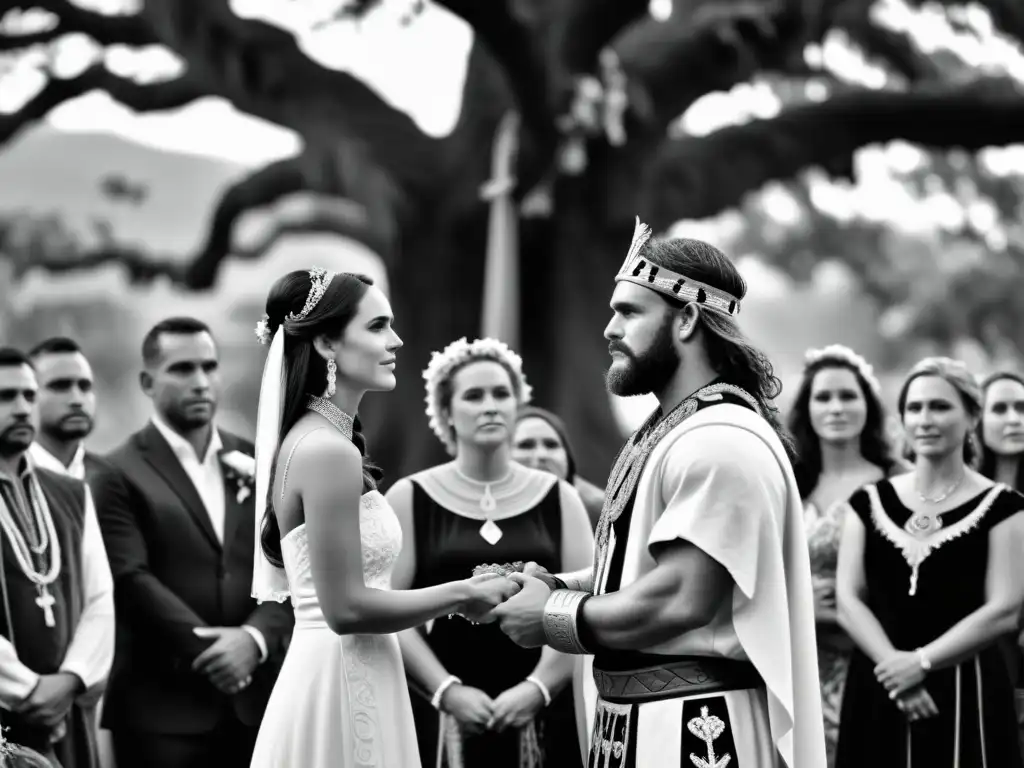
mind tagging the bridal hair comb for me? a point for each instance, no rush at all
(319, 279)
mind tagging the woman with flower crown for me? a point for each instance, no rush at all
(484, 700)
(838, 424)
(329, 540)
(927, 583)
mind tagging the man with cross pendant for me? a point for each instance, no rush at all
(56, 591)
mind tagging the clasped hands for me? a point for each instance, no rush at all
(516, 601)
(902, 675)
(477, 712)
(228, 662)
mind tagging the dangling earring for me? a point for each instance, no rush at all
(973, 449)
(332, 377)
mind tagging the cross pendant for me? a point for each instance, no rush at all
(45, 602)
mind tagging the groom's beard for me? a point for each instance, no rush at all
(647, 372)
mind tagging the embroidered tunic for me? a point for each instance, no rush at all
(719, 479)
(976, 724)
(81, 641)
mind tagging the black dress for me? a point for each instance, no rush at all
(448, 547)
(975, 699)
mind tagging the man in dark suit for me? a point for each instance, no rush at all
(196, 657)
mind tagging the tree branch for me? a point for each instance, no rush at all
(262, 71)
(140, 97)
(686, 178)
(515, 48)
(588, 26)
(106, 29)
(680, 60)
(17, 42)
(893, 48)
(261, 188)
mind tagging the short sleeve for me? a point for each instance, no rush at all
(1007, 504)
(860, 503)
(725, 493)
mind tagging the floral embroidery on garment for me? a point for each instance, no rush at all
(915, 551)
(707, 728)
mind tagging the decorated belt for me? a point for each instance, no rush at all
(672, 678)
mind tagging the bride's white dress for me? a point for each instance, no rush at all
(341, 701)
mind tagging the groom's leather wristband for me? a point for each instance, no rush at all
(562, 613)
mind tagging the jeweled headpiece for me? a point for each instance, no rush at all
(455, 355)
(840, 353)
(319, 279)
(636, 269)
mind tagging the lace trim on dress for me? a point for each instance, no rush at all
(915, 551)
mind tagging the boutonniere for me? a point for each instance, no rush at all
(241, 470)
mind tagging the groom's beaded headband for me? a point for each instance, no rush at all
(319, 280)
(636, 269)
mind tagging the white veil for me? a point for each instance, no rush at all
(268, 581)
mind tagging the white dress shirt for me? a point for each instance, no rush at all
(91, 651)
(43, 458)
(207, 476)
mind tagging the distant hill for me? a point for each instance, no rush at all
(49, 170)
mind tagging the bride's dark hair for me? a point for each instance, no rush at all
(305, 371)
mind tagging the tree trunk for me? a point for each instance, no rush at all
(436, 296)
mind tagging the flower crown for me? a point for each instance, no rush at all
(457, 354)
(840, 353)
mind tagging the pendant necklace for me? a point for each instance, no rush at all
(490, 531)
(930, 522)
(40, 578)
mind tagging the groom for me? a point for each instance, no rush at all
(196, 657)
(699, 610)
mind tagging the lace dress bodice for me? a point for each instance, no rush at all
(381, 536)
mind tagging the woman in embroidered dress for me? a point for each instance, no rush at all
(1002, 459)
(501, 706)
(329, 540)
(926, 585)
(838, 424)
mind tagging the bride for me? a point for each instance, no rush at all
(329, 540)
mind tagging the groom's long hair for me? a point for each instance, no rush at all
(731, 354)
(306, 371)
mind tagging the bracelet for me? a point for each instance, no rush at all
(559, 584)
(543, 689)
(561, 614)
(448, 682)
(926, 663)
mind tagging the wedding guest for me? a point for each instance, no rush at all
(838, 424)
(196, 656)
(927, 582)
(1002, 459)
(542, 442)
(500, 705)
(57, 618)
(67, 408)
(67, 415)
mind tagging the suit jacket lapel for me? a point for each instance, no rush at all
(234, 511)
(160, 456)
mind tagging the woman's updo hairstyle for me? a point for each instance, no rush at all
(305, 371)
